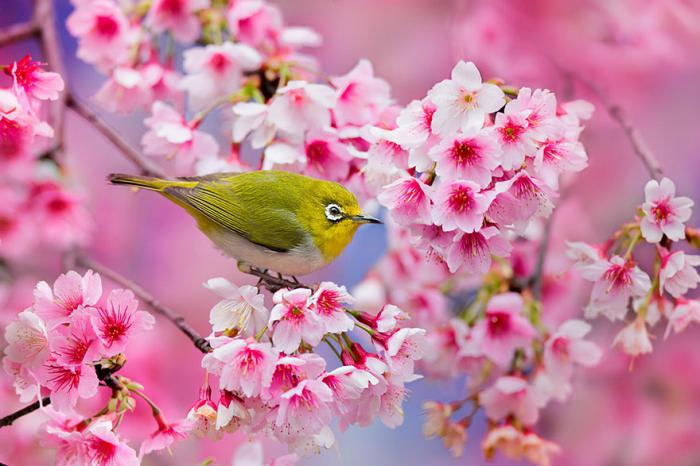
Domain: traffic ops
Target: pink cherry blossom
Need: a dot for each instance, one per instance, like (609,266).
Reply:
(328,302)
(540,106)
(520,199)
(408,199)
(254,22)
(61,214)
(127,89)
(557,155)
(634,339)
(414,132)
(177,17)
(243,308)
(294,320)
(300,106)
(583,254)
(677,274)
(251,118)
(230,413)
(103,33)
(305,408)
(165,436)
(17,233)
(566,347)
(326,156)
(459,205)
(170,135)
(251,454)
(472,252)
(517,445)
(514,136)
(119,320)
(664,213)
(103,446)
(70,292)
(510,396)
(67,383)
(471,156)
(25,382)
(216,71)
(361,96)
(35,82)
(27,340)
(502,330)
(242,365)
(289,370)
(403,349)
(76,344)
(60,433)
(203,416)
(347,384)
(683,314)
(463,101)
(615,282)
(388,318)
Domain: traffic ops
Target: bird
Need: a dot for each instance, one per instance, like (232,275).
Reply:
(272,220)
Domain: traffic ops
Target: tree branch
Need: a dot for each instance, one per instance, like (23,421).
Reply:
(18,32)
(538,273)
(178,320)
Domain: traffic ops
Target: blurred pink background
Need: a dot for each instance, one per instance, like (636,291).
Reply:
(647,59)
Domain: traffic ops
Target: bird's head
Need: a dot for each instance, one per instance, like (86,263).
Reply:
(331,214)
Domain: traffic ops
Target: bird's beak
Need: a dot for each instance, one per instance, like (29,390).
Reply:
(364,219)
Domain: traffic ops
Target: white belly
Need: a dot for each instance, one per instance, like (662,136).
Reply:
(299,261)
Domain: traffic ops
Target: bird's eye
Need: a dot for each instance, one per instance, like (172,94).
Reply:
(334,213)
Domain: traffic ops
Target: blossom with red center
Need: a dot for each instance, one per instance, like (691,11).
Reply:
(463,102)
(677,274)
(103,32)
(176,16)
(305,409)
(165,436)
(360,96)
(329,302)
(244,366)
(216,71)
(104,447)
(67,383)
(35,82)
(63,218)
(514,137)
(203,416)
(559,155)
(683,314)
(300,106)
(290,370)
(127,89)
(615,282)
(347,384)
(472,156)
(664,213)
(230,413)
(403,348)
(540,106)
(70,292)
(243,308)
(294,320)
(326,156)
(77,343)
(518,200)
(634,339)
(119,320)
(510,396)
(459,205)
(255,23)
(408,200)
(27,340)
(472,252)
(502,330)
(60,432)
(17,230)
(413,132)
(169,135)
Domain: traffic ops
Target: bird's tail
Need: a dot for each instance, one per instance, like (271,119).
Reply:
(145,182)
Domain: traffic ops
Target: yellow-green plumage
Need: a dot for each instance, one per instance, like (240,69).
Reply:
(269,219)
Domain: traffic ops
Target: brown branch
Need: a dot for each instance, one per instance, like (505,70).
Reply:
(18,32)
(178,320)
(147,167)
(538,274)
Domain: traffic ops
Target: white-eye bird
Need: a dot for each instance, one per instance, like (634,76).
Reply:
(288,223)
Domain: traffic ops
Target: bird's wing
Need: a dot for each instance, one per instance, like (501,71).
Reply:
(262,216)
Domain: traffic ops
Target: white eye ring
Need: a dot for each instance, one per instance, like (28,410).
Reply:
(334,213)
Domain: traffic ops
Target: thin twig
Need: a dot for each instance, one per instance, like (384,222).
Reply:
(538,273)
(147,167)
(178,320)
(18,32)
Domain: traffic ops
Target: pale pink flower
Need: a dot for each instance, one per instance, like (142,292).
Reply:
(305,409)
(165,436)
(583,254)
(294,320)
(326,156)
(459,205)
(119,320)
(472,252)
(254,22)
(282,154)
(300,106)
(510,395)
(347,384)
(408,199)
(25,382)
(414,132)
(63,218)
(203,416)
(502,330)
(540,106)
(231,413)
(664,213)
(471,156)
(615,282)
(515,139)
(215,71)
(329,302)
(463,101)
(76,344)
(634,339)
(27,340)
(567,347)
(289,370)
(243,308)
(388,318)
(104,447)
(538,450)
(677,274)
(403,348)
(557,155)
(685,312)
(34,81)
(360,96)
(103,33)
(242,365)
(70,292)
(391,411)
(251,454)
(164,82)
(169,135)
(250,118)
(126,90)
(60,433)
(68,383)
(176,16)
(519,200)
(517,445)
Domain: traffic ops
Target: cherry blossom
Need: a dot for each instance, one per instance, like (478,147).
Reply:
(634,339)
(27,340)
(678,274)
(70,292)
(166,435)
(510,396)
(119,320)
(459,205)
(360,96)
(328,303)
(664,213)
(615,282)
(408,199)
(243,308)
(472,252)
(34,81)
(177,17)
(242,365)
(683,314)
(301,106)
(294,320)
(103,446)
(472,156)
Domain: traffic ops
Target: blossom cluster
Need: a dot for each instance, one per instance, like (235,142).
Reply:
(35,206)
(620,285)
(479,166)
(272,379)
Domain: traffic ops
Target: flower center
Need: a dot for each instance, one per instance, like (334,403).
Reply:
(661,211)
(498,323)
(219,62)
(461,199)
(173,7)
(106,26)
(465,152)
(511,131)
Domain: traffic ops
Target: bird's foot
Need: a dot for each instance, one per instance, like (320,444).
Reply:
(269,281)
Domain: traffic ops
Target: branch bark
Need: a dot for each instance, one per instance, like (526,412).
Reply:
(18,32)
